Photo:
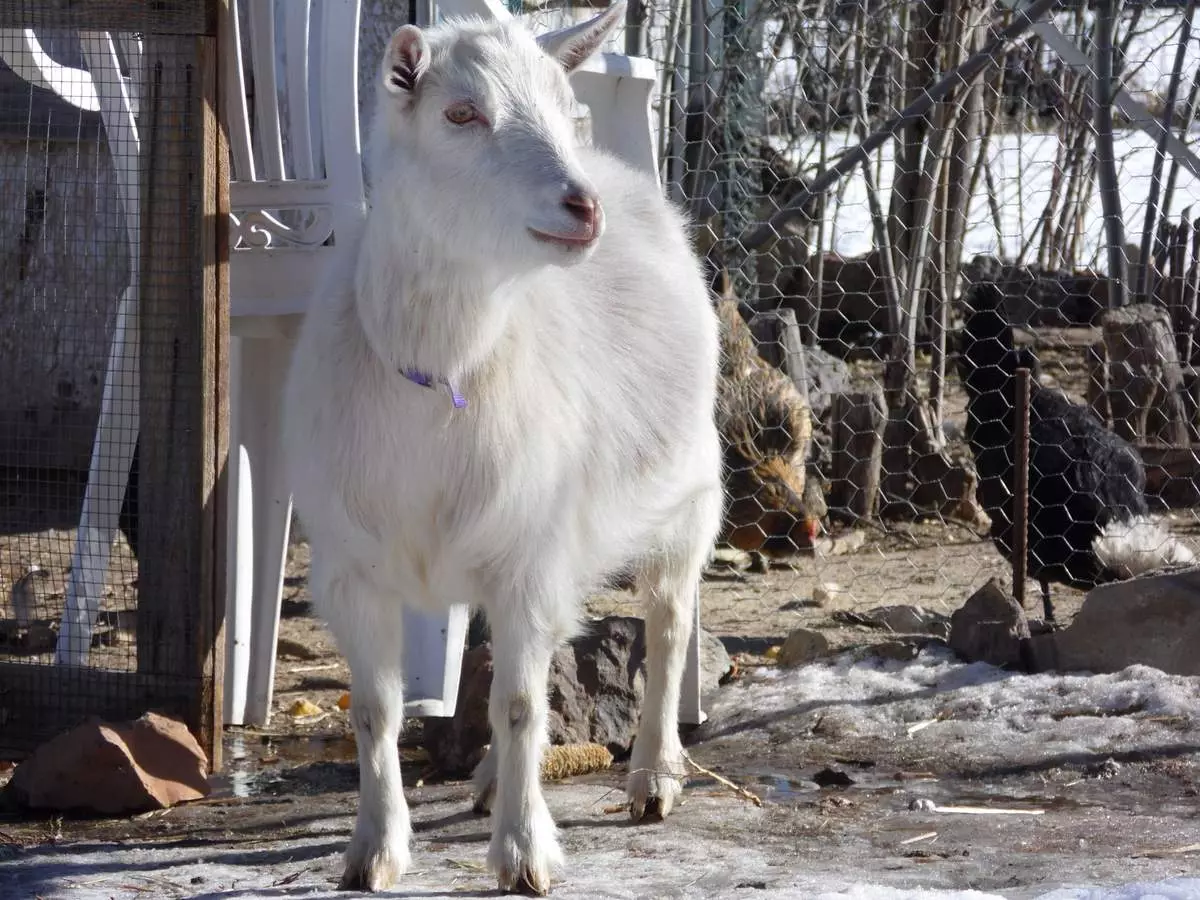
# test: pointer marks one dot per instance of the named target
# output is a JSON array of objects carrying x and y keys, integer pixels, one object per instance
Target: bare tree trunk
[
  {"x": 1106, "y": 162},
  {"x": 969, "y": 35},
  {"x": 919, "y": 71},
  {"x": 1144, "y": 287}
]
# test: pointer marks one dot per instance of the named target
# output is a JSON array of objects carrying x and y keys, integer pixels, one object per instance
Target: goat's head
[{"x": 473, "y": 125}]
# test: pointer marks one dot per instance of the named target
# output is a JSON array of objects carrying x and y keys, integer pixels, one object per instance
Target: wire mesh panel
[
  {"x": 112, "y": 414},
  {"x": 862, "y": 176}
]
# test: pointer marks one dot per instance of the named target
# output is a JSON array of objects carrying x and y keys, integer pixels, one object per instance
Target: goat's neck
[{"x": 421, "y": 311}]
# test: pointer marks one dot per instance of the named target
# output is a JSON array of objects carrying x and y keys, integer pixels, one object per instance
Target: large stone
[
  {"x": 596, "y": 688},
  {"x": 991, "y": 627},
  {"x": 1152, "y": 621},
  {"x": 802, "y": 646},
  {"x": 456, "y": 745},
  {"x": 113, "y": 769},
  {"x": 827, "y": 375},
  {"x": 903, "y": 619}
]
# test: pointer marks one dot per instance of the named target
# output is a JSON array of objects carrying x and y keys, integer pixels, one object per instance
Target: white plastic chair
[{"x": 296, "y": 197}]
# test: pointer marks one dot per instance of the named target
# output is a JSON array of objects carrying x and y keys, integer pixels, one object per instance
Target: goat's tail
[{"x": 1138, "y": 546}]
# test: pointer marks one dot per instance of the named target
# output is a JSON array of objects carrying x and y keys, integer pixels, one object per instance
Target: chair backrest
[{"x": 296, "y": 180}]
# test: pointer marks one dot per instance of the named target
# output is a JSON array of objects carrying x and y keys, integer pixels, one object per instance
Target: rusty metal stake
[{"x": 1020, "y": 539}]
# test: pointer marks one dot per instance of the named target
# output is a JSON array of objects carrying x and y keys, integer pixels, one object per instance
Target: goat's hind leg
[
  {"x": 367, "y": 626},
  {"x": 667, "y": 584}
]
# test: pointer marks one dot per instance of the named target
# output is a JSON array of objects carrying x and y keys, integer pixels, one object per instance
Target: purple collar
[{"x": 428, "y": 381}]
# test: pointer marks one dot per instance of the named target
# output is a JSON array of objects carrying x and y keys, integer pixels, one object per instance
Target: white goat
[{"x": 551, "y": 290}]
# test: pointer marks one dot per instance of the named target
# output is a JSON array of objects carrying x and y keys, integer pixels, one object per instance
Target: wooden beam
[
  {"x": 214, "y": 252},
  {"x": 184, "y": 334},
  {"x": 161, "y": 17}
]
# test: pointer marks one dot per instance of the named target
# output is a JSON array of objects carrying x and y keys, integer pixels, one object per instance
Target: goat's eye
[{"x": 461, "y": 113}]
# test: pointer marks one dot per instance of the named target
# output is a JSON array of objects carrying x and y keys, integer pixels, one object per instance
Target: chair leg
[
  {"x": 262, "y": 510},
  {"x": 108, "y": 475},
  {"x": 434, "y": 644},
  {"x": 690, "y": 712}
]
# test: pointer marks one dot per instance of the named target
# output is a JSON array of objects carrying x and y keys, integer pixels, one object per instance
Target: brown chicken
[{"x": 766, "y": 431}]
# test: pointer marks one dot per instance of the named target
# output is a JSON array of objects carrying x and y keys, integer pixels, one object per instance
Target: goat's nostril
[{"x": 582, "y": 207}]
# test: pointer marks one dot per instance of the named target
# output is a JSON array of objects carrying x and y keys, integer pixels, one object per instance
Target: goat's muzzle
[{"x": 584, "y": 208}]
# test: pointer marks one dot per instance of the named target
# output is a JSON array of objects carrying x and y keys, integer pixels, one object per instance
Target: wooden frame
[
  {"x": 184, "y": 314},
  {"x": 162, "y": 17}
]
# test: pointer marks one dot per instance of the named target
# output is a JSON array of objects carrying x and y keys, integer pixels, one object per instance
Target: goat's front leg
[
  {"x": 367, "y": 626},
  {"x": 524, "y": 845}
]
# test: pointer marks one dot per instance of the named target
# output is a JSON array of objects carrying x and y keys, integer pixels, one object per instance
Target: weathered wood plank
[
  {"x": 163, "y": 17},
  {"x": 214, "y": 400},
  {"x": 1172, "y": 475},
  {"x": 859, "y": 421},
  {"x": 1145, "y": 380},
  {"x": 174, "y": 431}
]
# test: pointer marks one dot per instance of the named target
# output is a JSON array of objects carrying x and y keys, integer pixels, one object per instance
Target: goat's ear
[
  {"x": 572, "y": 46},
  {"x": 406, "y": 60}
]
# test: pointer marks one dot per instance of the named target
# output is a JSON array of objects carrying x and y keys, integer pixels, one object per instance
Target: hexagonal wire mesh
[
  {"x": 109, "y": 412},
  {"x": 870, "y": 461}
]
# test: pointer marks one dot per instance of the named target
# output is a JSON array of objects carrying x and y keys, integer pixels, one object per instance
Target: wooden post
[
  {"x": 215, "y": 398},
  {"x": 1097, "y": 389},
  {"x": 779, "y": 343},
  {"x": 1020, "y": 555},
  {"x": 1145, "y": 381},
  {"x": 859, "y": 420},
  {"x": 184, "y": 327}
]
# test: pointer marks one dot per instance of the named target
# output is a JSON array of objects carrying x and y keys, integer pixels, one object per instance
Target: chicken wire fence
[
  {"x": 109, "y": 408},
  {"x": 859, "y": 174}
]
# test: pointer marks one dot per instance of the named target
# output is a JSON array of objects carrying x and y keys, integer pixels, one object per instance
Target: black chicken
[{"x": 1088, "y": 517}]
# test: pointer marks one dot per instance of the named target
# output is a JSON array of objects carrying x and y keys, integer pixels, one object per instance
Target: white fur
[
  {"x": 1139, "y": 546},
  {"x": 588, "y": 441}
]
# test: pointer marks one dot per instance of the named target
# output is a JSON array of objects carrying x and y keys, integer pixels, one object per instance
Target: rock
[
  {"x": 900, "y": 651},
  {"x": 597, "y": 684},
  {"x": 827, "y": 375},
  {"x": 113, "y": 769},
  {"x": 991, "y": 627},
  {"x": 908, "y": 620},
  {"x": 802, "y": 646},
  {"x": 596, "y": 688},
  {"x": 730, "y": 558},
  {"x": 830, "y": 777},
  {"x": 715, "y": 662},
  {"x": 1152, "y": 621},
  {"x": 827, "y": 593},
  {"x": 456, "y": 745},
  {"x": 840, "y": 545}
]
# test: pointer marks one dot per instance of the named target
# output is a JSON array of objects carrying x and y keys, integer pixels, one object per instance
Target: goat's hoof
[
  {"x": 373, "y": 869},
  {"x": 651, "y": 795},
  {"x": 525, "y": 882},
  {"x": 651, "y": 812},
  {"x": 482, "y": 805},
  {"x": 524, "y": 852}
]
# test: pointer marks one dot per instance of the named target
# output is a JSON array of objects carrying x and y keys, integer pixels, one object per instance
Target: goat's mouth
[{"x": 571, "y": 241}]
